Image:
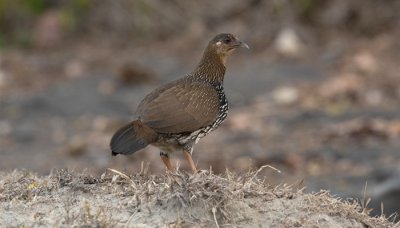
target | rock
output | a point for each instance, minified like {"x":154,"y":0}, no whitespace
{"x":285,"y":95}
{"x":365,"y":62}
{"x":74,"y":69}
{"x":288,"y":43}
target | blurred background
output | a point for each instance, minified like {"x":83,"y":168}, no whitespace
{"x":317,"y":96}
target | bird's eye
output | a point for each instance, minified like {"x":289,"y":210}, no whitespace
{"x":227,"y":40}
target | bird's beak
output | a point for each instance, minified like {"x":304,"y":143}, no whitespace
{"x":243,"y":44}
{"x":239,"y":43}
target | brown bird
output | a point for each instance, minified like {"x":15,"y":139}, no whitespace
{"x":176,"y":115}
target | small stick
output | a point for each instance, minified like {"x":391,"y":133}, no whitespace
{"x":215,"y":217}
{"x":123,"y":175}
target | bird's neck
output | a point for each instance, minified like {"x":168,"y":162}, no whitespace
{"x":211,"y":68}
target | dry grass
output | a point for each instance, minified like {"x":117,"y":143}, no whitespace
{"x":116,"y":199}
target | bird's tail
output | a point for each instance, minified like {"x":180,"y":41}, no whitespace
{"x":131,"y":138}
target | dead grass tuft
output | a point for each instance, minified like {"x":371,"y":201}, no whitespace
{"x":22,"y":186}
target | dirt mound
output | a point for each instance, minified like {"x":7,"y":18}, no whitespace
{"x":172,"y":199}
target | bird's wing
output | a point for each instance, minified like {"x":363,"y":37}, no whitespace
{"x":180,"y":107}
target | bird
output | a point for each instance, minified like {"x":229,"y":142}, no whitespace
{"x":175,"y":116}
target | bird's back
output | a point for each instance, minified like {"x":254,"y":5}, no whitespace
{"x":182,"y":106}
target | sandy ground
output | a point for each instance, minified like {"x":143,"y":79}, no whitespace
{"x":115,"y":199}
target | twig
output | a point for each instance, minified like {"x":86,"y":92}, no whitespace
{"x":365,"y":201}
{"x":215,"y":217}
{"x":263,"y":167}
{"x":124,"y":176}
{"x":271,"y":167}
{"x":129,"y":220}
{"x":259,"y":170}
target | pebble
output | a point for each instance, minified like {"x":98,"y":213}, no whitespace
{"x":285,"y":95}
{"x":288,"y":43}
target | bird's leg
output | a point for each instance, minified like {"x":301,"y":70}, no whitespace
{"x":165,"y":158}
{"x":187,"y":152}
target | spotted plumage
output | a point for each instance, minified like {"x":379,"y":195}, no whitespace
{"x":175,"y":116}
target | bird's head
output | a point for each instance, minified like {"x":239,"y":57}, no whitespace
{"x":224,"y":44}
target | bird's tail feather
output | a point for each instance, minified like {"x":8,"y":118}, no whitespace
{"x":131,"y":138}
